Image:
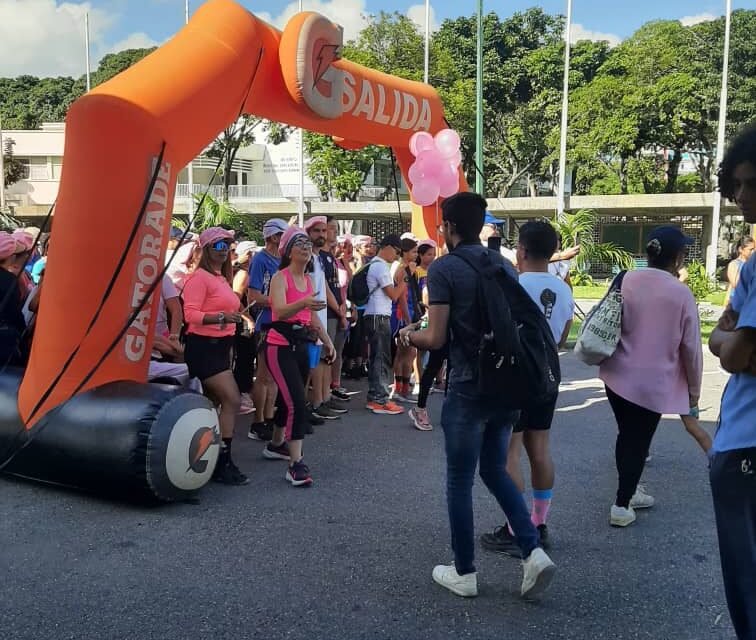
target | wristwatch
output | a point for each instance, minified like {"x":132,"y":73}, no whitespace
{"x":222,"y":319}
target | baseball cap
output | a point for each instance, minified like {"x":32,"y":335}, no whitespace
{"x":176,"y":233}
{"x":245,"y":247}
{"x":213,"y":234}
{"x":671,"y":240}
{"x":427,"y":243}
{"x":274,"y":226}
{"x":408,"y":235}
{"x":490,"y":218}
{"x":391,"y":240}
{"x":315,"y":220}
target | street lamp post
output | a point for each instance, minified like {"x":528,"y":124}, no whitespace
{"x":427,"y":41}
{"x":479,"y":178}
{"x":565,"y":113}
{"x":713,"y":248}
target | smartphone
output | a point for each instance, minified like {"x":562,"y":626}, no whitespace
{"x":494,"y":242}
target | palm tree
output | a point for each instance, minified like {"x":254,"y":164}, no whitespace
{"x":579,"y":228}
{"x":216,"y":213}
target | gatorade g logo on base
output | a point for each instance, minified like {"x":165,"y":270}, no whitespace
{"x":320,"y":84}
{"x":193,"y":449}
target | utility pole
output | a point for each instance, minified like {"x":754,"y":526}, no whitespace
{"x":190,"y":168}
{"x":427,"y":41}
{"x":711,"y":253}
{"x":86,"y":43}
{"x":565,"y":114}
{"x":479,"y":178}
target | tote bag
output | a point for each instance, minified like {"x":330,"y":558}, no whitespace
{"x":600,"y":333}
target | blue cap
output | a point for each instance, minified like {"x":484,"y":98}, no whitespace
{"x":37,"y":269}
{"x":490,"y":218}
{"x":671,"y":240}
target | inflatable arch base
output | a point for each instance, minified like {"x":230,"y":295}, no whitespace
{"x":154,"y":443}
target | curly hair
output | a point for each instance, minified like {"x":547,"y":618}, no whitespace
{"x":742,"y":149}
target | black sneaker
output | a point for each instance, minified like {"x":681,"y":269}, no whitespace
{"x":340,"y":395}
{"x":543,"y":537}
{"x":260,"y":431}
{"x":501,"y":541}
{"x":280,"y":452}
{"x":314,"y":419}
{"x":335,"y":408}
{"x":228,"y":473}
{"x":299,"y":475}
{"x":324,"y":412}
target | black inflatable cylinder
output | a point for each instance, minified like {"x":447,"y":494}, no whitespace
{"x":136,"y":441}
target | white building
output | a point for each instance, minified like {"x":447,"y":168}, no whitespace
{"x":260,"y":173}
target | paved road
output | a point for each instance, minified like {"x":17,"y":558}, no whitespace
{"x":351,"y":557}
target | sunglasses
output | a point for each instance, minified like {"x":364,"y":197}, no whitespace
{"x":221,"y":245}
{"x":302,"y":244}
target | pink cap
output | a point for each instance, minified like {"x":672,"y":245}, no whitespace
{"x":25,"y":239}
{"x":427,"y":243}
{"x":315,"y":220}
{"x":8,"y":245}
{"x":288,"y":237}
{"x":184,"y":254}
{"x":213,"y":234}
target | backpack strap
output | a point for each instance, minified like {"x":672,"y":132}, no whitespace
{"x":617,"y":282}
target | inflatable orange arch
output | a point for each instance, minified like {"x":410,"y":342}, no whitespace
{"x":171,"y":105}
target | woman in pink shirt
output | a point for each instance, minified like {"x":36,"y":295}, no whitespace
{"x":657,"y":367}
{"x":211,"y":311}
{"x":292,"y":302}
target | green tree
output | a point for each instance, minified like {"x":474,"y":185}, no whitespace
{"x":13,"y":169}
{"x":338,"y":173}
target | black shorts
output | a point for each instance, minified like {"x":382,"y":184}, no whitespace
{"x":536,"y":418}
{"x":206,"y":356}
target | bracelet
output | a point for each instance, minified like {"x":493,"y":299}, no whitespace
{"x":173,"y":335}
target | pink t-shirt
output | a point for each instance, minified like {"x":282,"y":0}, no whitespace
{"x":303,"y":317}
{"x":658,"y":363}
{"x":206,"y":293}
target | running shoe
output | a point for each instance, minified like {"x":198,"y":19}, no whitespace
{"x":279,"y":452}
{"x":260,"y":431}
{"x":341,"y":394}
{"x":501,"y":541}
{"x":621,"y":516}
{"x":325,"y":413}
{"x":402,"y":397}
{"x":299,"y":475}
{"x":447,"y":576}
{"x":543,"y":537}
{"x":246,"y":406}
{"x":389,"y":408}
{"x":228,"y":473}
{"x":419,"y":418}
{"x":538,"y":572}
{"x":641,"y":500}
{"x":334,"y":407}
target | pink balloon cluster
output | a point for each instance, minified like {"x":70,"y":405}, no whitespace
{"x":435,"y":171}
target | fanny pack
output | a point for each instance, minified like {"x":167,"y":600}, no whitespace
{"x":294,"y":333}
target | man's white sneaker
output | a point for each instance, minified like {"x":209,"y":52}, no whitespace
{"x":538,"y":571}
{"x":447,"y":576}
{"x":641,"y":500}
{"x":621,"y":517}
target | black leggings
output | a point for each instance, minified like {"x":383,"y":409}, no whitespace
{"x":289,"y":367}
{"x":244,"y":348}
{"x":436,"y":360}
{"x":636,"y":429}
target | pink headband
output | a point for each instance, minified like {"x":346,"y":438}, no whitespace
{"x":315,"y":220}
{"x":8,"y":245}
{"x":213,"y":234}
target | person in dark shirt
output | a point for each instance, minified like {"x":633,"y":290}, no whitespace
{"x":13,"y":348}
{"x":476,"y":427}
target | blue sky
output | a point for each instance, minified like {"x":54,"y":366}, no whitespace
{"x":46,"y":36}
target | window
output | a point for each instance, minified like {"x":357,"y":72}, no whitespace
{"x":35,"y":168}
{"x":57,"y":166}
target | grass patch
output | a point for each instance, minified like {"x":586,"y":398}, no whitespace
{"x":707,"y":326}
{"x":597,"y":292}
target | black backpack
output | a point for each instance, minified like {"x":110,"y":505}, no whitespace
{"x":358,"y":292}
{"x":518,"y":360}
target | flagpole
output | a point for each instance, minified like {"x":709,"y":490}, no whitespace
{"x":479,"y":182}
{"x":713,"y":248}
{"x":86,"y":42}
{"x":301,"y":166}
{"x":427,"y":41}
{"x":190,"y":168}
{"x":565,"y":114}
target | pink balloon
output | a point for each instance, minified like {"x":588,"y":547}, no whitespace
{"x":431,"y":162}
{"x":449,"y":183}
{"x":456,"y":160}
{"x":447,"y":142}
{"x":425,"y":193}
{"x":416,"y":173}
{"x":421,"y":141}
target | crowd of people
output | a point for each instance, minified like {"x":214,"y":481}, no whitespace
{"x":270,"y":332}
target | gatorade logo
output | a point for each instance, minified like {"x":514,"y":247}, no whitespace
{"x":193,"y":449}
{"x":201,"y":442}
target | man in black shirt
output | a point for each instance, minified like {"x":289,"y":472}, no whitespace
{"x":476,"y":427}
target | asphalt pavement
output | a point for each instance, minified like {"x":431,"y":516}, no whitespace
{"x":352,"y":556}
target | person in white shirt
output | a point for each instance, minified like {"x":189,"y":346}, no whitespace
{"x":377,"y":325}
{"x":537,"y":244}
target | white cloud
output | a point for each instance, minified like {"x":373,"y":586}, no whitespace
{"x":350,"y":14}
{"x":138,"y":40}
{"x":416,"y":13}
{"x":579,"y":32}
{"x":46,"y":37}
{"x":689,"y":21}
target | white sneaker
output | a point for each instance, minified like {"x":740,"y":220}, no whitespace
{"x":641,"y":500}
{"x":621,"y":517}
{"x":447,"y":576}
{"x":246,"y":406}
{"x":538,"y":571}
